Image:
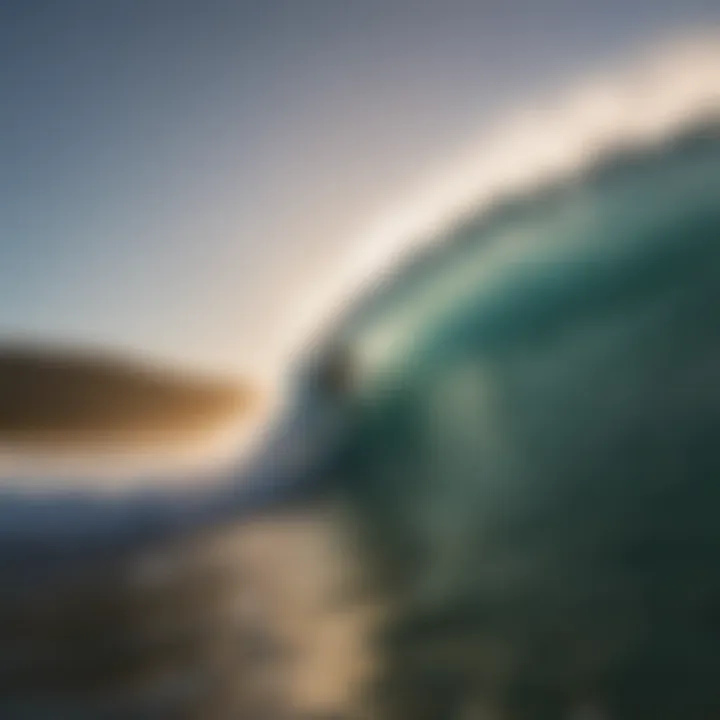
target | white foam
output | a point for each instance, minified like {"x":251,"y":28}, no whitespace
{"x":645,"y":100}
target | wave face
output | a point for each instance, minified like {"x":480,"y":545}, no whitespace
{"x":536,"y":459}
{"x":546,"y":382}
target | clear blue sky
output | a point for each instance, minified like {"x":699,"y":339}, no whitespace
{"x":173,"y":173}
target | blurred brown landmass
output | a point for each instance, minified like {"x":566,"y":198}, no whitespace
{"x":59,"y":398}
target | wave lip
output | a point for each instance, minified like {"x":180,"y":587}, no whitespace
{"x":644,"y":102}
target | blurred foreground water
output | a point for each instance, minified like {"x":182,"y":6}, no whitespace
{"x":241,"y":623}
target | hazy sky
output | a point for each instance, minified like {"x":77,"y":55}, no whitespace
{"x":173,"y":173}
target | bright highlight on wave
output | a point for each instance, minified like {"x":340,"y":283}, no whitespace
{"x":644,"y":101}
